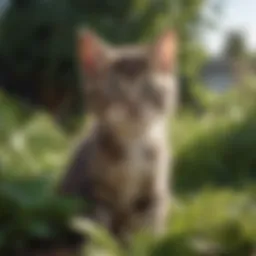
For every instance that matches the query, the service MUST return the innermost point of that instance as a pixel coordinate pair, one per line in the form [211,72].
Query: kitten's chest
[131,168]
[140,158]
[138,161]
[131,177]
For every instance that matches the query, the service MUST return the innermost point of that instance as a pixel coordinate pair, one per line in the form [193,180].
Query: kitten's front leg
[159,214]
[161,192]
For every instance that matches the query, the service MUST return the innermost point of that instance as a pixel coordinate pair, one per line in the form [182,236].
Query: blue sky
[238,15]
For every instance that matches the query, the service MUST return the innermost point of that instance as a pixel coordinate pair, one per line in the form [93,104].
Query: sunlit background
[42,117]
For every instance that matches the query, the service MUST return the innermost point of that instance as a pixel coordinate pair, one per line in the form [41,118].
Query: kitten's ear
[92,54]
[165,51]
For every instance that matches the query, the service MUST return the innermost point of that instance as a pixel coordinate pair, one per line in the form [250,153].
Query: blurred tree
[235,47]
[37,41]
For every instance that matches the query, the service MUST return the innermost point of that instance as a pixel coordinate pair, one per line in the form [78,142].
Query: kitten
[123,165]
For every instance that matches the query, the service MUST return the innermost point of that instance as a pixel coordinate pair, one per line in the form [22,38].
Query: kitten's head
[128,87]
